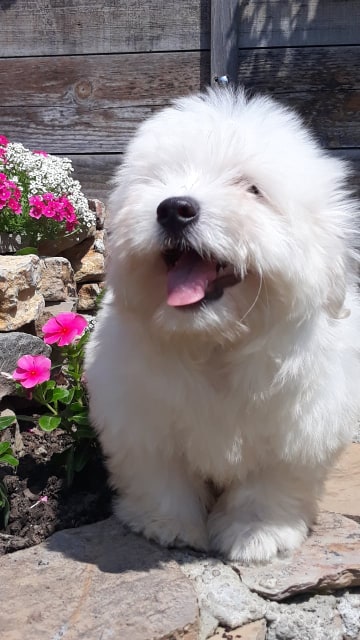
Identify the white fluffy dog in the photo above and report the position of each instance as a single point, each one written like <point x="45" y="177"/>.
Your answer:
<point x="223" y="372"/>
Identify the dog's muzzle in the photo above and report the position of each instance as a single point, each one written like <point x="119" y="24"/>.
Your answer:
<point x="192" y="277"/>
<point x="176" y="214"/>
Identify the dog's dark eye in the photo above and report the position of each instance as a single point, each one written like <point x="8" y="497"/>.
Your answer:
<point x="254" y="189"/>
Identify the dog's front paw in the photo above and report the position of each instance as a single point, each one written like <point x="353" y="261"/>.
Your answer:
<point x="166" y="525"/>
<point x="249" y="542"/>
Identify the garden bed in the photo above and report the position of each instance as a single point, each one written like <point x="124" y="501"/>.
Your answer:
<point x="38" y="477"/>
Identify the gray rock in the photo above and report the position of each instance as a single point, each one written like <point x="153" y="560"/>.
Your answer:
<point x="97" y="581"/>
<point x="221" y="594"/>
<point x="252" y="631"/>
<point x="207" y="624"/>
<point x="20" y="299"/>
<point x="329" y="559"/>
<point x="12" y="347"/>
<point x="315" y="619"/>
<point x="88" y="259"/>
<point x="349" y="608"/>
<point x="99" y="209"/>
<point x="57" y="282"/>
<point x="89" y="295"/>
<point x="56" y="246"/>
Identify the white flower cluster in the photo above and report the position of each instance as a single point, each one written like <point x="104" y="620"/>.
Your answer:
<point x="49" y="174"/>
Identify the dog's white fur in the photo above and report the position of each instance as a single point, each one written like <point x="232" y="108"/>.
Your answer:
<point x="258" y="391"/>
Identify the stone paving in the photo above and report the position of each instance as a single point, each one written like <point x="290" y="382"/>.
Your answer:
<point x="100" y="582"/>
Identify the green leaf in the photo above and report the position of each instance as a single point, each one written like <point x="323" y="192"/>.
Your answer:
<point x="4" y="504"/>
<point x="26" y="251"/>
<point x="49" y="423"/>
<point x="76" y="406"/>
<point x="6" y="421"/>
<point x="69" y="466"/>
<point x="6" y="454"/>
<point x="83" y="433"/>
<point x="82" y="419"/>
<point x="60" y="394"/>
<point x="2" y="498"/>
<point x="49" y="384"/>
<point x="70" y="395"/>
<point x="48" y="390"/>
<point x="7" y="458"/>
<point x="5" y="447"/>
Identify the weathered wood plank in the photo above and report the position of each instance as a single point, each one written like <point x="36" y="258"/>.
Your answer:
<point x="224" y="39"/>
<point x="55" y="27"/>
<point x="93" y="104"/>
<point x="95" y="171"/>
<point x="97" y="81"/>
<point x="293" y="23"/>
<point x="323" y="83"/>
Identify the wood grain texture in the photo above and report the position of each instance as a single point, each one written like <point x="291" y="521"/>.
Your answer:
<point x="293" y="23"/>
<point x="224" y="39"/>
<point x="95" y="171"/>
<point x="96" y="81"/>
<point x="93" y="104"/>
<point x="322" y="83"/>
<point x="55" y="27"/>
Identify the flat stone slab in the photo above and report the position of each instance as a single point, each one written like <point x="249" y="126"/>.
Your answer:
<point x="222" y="597"/>
<point x="96" y="582"/>
<point x="342" y="490"/>
<point x="253" y="631"/>
<point x="329" y="559"/>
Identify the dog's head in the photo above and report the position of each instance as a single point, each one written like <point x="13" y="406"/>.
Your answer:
<point x="226" y="217"/>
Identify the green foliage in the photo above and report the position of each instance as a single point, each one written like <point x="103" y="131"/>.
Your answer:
<point x="6" y="421"/>
<point x="6" y="455"/>
<point x="66" y="407"/>
<point x="6" y="458"/>
<point x="26" y="174"/>
<point x="4" y="506"/>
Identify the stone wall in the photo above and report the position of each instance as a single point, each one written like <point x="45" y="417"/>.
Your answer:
<point x="35" y="288"/>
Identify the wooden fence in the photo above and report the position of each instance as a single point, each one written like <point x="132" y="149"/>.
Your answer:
<point x="76" y="77"/>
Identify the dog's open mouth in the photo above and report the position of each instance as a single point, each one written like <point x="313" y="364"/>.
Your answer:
<point x="192" y="278"/>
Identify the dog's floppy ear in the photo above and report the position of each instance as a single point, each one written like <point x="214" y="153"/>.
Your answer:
<point x="334" y="305"/>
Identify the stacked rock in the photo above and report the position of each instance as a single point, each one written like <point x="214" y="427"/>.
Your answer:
<point x="35" y="288"/>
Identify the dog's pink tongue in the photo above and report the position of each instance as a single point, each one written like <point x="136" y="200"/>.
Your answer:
<point x="188" y="279"/>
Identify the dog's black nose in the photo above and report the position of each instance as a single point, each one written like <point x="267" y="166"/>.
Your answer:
<point x="176" y="213"/>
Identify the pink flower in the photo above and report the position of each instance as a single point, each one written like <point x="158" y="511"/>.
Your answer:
<point x="4" y="141"/>
<point x="10" y="194"/>
<point x="58" y="208"/>
<point x="63" y="329"/>
<point x="15" y="206"/>
<point x="5" y="194"/>
<point x="41" y="153"/>
<point x="32" y="370"/>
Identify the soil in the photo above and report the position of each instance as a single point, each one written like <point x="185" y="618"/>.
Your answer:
<point x="38" y="476"/>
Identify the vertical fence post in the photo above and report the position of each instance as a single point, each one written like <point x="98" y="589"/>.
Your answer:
<point x="224" y="41"/>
